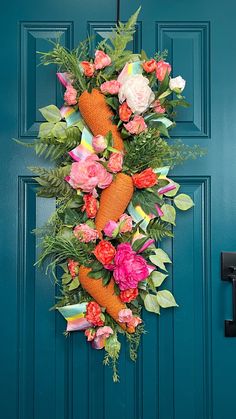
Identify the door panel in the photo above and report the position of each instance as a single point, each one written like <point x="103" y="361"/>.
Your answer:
<point x="186" y="366"/>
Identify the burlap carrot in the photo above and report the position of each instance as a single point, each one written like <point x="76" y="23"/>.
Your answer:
<point x="114" y="199"/>
<point x="97" y="115"/>
<point x="105" y="296"/>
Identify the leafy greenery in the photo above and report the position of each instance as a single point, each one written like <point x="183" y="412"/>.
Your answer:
<point x="52" y="182"/>
<point x="158" y="229"/>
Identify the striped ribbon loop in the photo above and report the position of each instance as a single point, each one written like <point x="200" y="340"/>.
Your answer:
<point x="75" y="316"/>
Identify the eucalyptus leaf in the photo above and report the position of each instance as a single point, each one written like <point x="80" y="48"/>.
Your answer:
<point x="183" y="202"/>
<point x="151" y="303"/>
<point x="51" y="113"/>
<point x="166" y="299"/>
<point x="169" y="213"/>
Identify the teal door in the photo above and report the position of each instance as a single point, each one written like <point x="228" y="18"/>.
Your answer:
<point x="186" y="367"/>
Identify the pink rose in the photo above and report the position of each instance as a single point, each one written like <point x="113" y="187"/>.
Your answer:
<point x="161" y="69"/>
<point x="112" y="87"/>
<point x="101" y="60"/>
<point x="99" y="143"/>
<point x="111" y="228"/>
<point x="125" y="223"/>
<point x="130" y="268"/>
<point x="85" y="233"/>
<point x="88" y="174"/>
<point x="70" y="95"/>
<point x="125" y="315"/>
<point x="115" y="162"/>
<point x="137" y="92"/>
<point x="104" y="332"/>
<point x="134" y="322"/>
<point x="136" y="126"/>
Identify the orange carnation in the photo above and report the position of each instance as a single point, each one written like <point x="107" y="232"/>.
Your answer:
<point x="104" y="252"/>
<point x="145" y="179"/>
<point x="88" y="68"/>
<point x="125" y="112"/>
<point x="129" y="295"/>
<point x="150" y="66"/>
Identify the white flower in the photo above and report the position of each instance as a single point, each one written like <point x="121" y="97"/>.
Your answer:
<point x="177" y="84"/>
<point x="137" y="92"/>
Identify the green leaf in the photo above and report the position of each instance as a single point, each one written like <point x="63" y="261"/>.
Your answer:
<point x="162" y="256"/>
<point x="158" y="229"/>
<point x="66" y="278"/>
<point x="174" y="191"/>
<point x="164" y="85"/>
<point x="74" y="284"/>
<point x="166" y="299"/>
<point x="158" y="278"/>
<point x="45" y="129"/>
<point x="156" y="261"/>
<point x="95" y="274"/>
<point x="169" y="213"/>
<point x="151" y="304"/>
<point x="59" y="130"/>
<point x="183" y="202"/>
<point x="139" y="243"/>
<point x="113" y="102"/>
<point x="51" y="113"/>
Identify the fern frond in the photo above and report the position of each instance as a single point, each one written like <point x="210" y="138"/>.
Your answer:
<point x="52" y="183"/>
<point x="158" y="229"/>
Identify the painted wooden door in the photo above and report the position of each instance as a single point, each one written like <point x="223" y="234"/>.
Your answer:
<point x="186" y="367"/>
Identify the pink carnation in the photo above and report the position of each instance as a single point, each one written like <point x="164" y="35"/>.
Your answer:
<point x="101" y="60"/>
<point x="136" y="126"/>
<point x="88" y="174"/>
<point x="134" y="322"/>
<point x="112" y="87"/>
<point x="130" y="268"/>
<point x="115" y="162"/>
<point x="104" y="332"/>
<point x="111" y="228"/>
<point x="70" y="95"/>
<point x="125" y="223"/>
<point x="157" y="107"/>
<point x="85" y="233"/>
<point x="125" y="315"/>
<point x="90" y="334"/>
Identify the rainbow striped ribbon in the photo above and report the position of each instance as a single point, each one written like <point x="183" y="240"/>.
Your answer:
<point x="129" y="70"/>
<point x="71" y="115"/>
<point x="85" y="148"/>
<point x="75" y="316"/>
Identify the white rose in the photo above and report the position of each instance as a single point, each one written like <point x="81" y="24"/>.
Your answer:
<point x="137" y="92"/>
<point x="177" y="84"/>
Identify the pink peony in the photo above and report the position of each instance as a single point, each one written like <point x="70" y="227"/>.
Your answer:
<point x="134" y="322"/>
<point x="70" y="95"/>
<point x="115" y="162"/>
<point x="136" y="126"/>
<point x="125" y="223"/>
<point x="125" y="315"/>
<point x="161" y="69"/>
<point x="85" y="233"/>
<point x="104" y="332"/>
<point x="101" y="60"/>
<point x="137" y="92"/>
<point x="111" y="228"/>
<point x="99" y="143"/>
<point x="88" y="174"/>
<point x="112" y="87"/>
<point x="130" y="268"/>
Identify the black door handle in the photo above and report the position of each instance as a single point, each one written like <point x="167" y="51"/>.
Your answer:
<point x="228" y="273"/>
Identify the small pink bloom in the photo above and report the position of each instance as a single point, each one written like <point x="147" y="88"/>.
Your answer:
<point x="125" y="315"/>
<point x="88" y="174"/>
<point x="115" y="162"/>
<point x="112" y="87"/>
<point x="70" y="95"/>
<point x="136" y="126"/>
<point x="111" y="228"/>
<point x="161" y="68"/>
<point x="157" y="107"/>
<point x="85" y="234"/>
<point x="134" y="322"/>
<point x="104" y="332"/>
<point x="101" y="60"/>
<point x="73" y="267"/>
<point x="125" y="223"/>
<point x="99" y="143"/>
<point x="90" y="334"/>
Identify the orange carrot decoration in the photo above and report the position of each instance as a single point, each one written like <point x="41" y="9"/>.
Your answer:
<point x="97" y="115"/>
<point x="114" y="200"/>
<point x="104" y="296"/>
